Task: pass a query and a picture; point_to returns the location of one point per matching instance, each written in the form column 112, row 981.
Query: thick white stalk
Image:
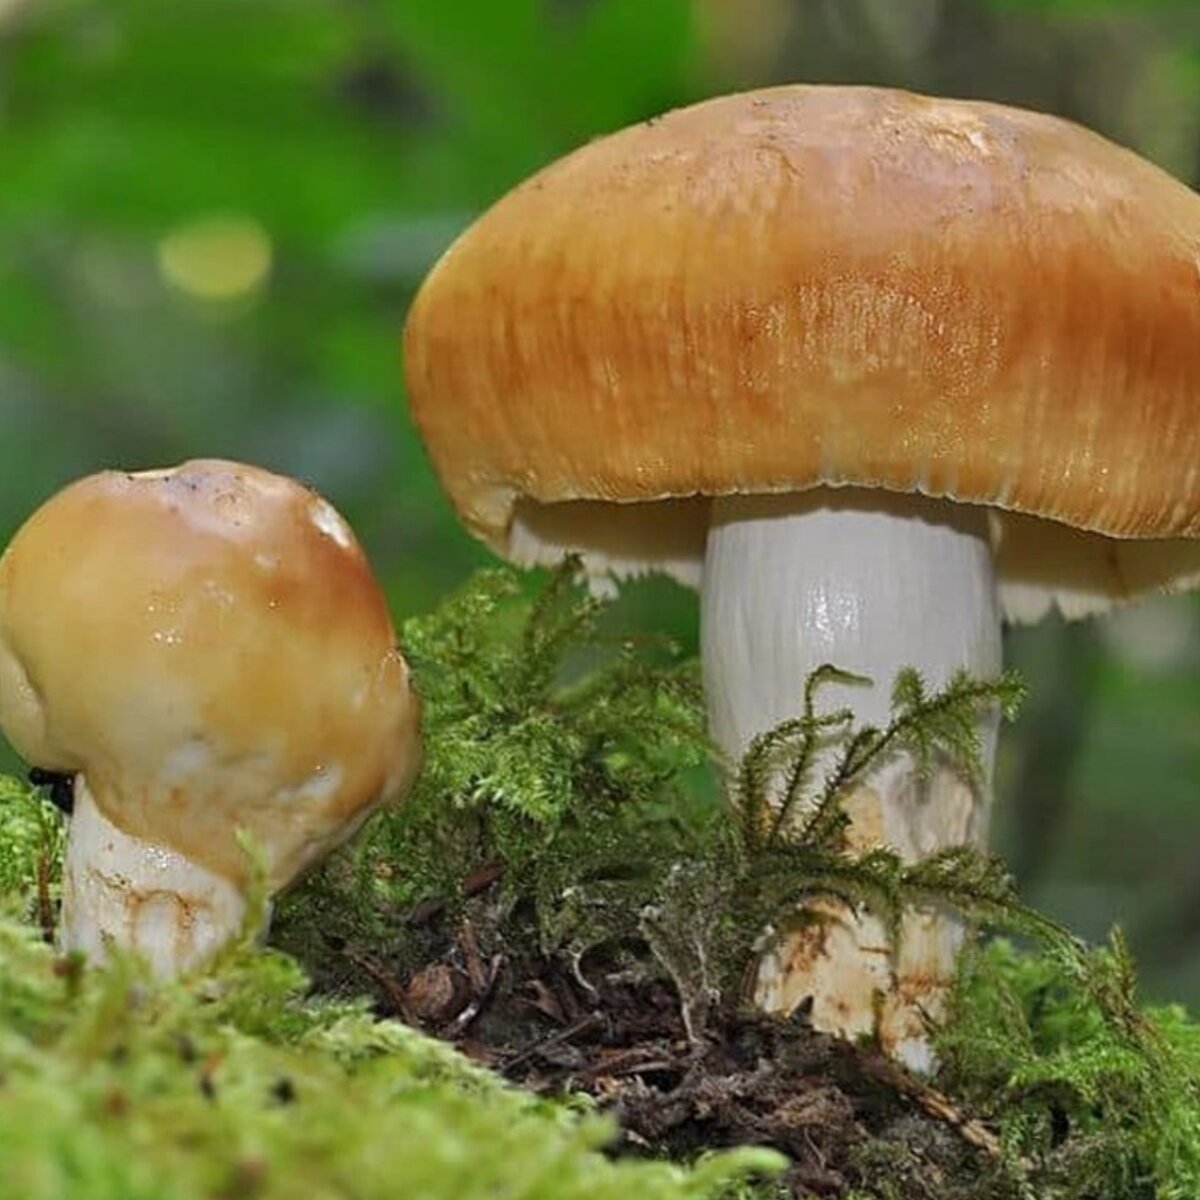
column 127, row 892
column 871, row 583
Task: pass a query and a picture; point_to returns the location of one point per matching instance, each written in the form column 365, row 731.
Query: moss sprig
column 928, row 727
column 786, row 845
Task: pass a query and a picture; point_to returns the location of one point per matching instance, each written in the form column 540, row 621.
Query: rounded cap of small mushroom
column 207, row 646
column 809, row 286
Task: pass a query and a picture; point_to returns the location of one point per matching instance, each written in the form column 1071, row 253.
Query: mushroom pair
column 206, row 650
column 873, row 372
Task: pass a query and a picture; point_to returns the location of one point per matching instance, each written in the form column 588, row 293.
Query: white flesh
column 871, row 583
column 122, row 891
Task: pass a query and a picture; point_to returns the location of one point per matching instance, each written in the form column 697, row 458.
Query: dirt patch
column 610, row 1025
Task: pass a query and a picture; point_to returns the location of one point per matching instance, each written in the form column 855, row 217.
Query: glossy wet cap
column 208, row 645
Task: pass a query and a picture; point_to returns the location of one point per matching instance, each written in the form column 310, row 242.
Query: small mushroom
column 206, row 650
column 872, row 371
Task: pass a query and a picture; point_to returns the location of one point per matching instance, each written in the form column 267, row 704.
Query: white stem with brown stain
column 872, row 583
column 124, row 891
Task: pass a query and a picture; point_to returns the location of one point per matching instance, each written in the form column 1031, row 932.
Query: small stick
column 472, row 959
column 626, row 1064
column 390, row 986
column 939, row 1106
column 467, row 1017
column 45, row 906
column 555, row 1039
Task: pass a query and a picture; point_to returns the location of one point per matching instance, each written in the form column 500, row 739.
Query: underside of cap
column 809, row 286
column 1040, row 565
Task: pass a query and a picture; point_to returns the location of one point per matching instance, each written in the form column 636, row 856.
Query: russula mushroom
column 206, row 650
column 873, row 371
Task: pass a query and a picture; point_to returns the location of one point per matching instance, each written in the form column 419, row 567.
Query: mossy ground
column 559, row 902
column 244, row 1083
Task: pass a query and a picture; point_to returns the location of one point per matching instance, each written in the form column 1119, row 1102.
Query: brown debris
column 611, row 1026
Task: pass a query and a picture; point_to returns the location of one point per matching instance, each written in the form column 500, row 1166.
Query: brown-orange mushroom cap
column 805, row 287
column 207, row 650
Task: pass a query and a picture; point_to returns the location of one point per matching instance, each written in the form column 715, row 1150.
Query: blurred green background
column 215, row 212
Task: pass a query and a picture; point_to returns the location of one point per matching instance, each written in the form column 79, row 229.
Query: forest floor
column 612, row 1028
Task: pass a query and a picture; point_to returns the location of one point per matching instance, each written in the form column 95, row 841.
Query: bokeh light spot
column 217, row 259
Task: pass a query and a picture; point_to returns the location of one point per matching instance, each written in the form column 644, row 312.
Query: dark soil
column 610, row 1025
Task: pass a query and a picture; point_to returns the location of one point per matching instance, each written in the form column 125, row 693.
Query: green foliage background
column 360, row 137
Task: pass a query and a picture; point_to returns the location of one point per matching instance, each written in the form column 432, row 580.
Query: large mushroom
column 206, row 650
column 872, row 371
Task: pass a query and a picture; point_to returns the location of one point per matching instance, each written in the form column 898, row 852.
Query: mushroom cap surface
column 809, row 286
column 208, row 646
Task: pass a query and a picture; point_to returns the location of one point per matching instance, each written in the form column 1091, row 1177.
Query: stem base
column 122, row 891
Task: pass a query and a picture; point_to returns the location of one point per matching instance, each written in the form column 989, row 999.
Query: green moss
column 573, row 777
column 31, row 846
column 1093, row 1095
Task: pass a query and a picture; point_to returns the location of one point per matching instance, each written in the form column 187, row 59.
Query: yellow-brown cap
column 208, row 646
column 809, row 286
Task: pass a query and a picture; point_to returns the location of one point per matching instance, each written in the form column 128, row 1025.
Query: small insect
column 61, row 787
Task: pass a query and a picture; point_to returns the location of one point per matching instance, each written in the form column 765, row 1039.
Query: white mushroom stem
column 120, row 890
column 869, row 582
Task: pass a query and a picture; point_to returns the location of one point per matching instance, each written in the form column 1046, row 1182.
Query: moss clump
column 1092, row 1095
column 558, row 761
